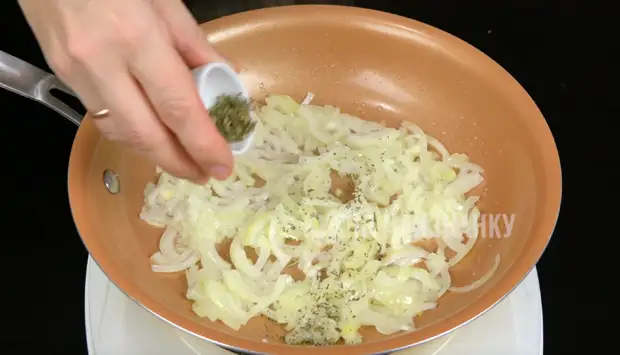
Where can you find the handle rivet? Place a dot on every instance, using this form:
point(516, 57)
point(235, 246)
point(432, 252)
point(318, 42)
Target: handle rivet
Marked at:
point(111, 182)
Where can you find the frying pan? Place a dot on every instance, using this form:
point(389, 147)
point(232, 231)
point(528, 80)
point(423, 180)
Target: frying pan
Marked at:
point(375, 65)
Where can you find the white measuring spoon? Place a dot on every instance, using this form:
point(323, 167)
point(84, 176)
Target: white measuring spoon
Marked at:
point(215, 79)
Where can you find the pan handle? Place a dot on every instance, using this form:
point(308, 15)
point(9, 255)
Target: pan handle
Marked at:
point(29, 81)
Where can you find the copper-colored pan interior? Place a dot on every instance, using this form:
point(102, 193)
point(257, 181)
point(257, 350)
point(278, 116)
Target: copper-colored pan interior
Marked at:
point(377, 66)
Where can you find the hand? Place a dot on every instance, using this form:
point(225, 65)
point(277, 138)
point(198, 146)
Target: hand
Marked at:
point(134, 58)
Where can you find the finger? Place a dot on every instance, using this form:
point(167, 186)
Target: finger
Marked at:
point(134, 123)
point(189, 40)
point(169, 85)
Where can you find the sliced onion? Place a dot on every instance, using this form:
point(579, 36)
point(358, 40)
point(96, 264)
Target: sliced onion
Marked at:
point(309, 97)
point(483, 280)
point(404, 181)
point(191, 259)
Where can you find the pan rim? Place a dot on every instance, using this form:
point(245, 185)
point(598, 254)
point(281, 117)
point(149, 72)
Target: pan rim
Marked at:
point(513, 277)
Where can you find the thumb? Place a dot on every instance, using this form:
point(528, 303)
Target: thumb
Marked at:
point(188, 38)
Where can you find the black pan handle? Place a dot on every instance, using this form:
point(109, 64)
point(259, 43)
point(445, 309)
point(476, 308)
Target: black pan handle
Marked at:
point(29, 81)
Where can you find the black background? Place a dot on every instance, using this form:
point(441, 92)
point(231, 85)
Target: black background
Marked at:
point(560, 51)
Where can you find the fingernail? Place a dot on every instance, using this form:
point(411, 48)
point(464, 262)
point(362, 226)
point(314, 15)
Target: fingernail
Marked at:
point(220, 172)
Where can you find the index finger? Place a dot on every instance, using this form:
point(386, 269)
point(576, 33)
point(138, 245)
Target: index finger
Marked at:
point(168, 83)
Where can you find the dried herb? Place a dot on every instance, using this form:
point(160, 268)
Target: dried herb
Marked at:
point(231, 115)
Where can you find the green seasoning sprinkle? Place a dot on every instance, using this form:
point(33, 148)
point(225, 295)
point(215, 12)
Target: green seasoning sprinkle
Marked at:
point(232, 117)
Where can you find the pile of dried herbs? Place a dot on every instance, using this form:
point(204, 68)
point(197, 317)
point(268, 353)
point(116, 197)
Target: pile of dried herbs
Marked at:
point(231, 114)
